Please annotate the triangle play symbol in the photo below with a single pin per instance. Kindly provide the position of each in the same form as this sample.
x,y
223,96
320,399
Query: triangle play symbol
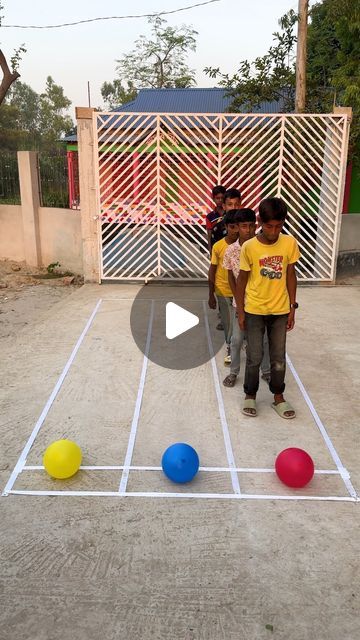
x,y
178,320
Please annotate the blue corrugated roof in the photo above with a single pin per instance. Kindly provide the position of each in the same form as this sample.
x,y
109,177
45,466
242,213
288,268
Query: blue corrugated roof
x,y
192,100
179,101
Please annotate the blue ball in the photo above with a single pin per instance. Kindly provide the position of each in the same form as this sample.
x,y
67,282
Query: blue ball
x,y
180,462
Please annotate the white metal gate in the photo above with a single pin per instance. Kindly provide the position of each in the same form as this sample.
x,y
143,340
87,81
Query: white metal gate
x,y
156,172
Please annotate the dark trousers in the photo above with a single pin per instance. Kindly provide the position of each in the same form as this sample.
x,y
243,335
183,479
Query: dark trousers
x,y
276,331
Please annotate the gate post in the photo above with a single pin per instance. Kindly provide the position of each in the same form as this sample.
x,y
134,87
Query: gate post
x,y
30,203
88,201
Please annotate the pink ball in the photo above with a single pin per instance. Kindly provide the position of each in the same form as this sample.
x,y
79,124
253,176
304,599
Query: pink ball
x,y
294,467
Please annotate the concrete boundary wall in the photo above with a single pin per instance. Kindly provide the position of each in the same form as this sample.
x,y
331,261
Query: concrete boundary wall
x,y
59,237
39,235
11,233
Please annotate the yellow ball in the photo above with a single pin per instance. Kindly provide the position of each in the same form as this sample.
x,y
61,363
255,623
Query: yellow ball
x,y
62,459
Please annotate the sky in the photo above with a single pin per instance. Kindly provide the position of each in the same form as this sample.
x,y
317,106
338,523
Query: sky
x,y
228,31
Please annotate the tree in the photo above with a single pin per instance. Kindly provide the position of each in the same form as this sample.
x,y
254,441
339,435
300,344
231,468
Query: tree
x,y
26,101
333,70
29,121
269,77
333,61
10,74
53,123
115,95
160,62
11,135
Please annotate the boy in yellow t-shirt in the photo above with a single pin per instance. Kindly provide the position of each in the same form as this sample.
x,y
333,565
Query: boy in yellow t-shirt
x,y
219,281
266,301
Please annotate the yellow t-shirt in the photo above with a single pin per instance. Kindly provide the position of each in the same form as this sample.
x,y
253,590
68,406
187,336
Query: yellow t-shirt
x,y
222,287
266,292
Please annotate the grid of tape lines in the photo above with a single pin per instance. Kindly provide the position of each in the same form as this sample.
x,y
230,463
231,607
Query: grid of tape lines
x,y
155,173
60,488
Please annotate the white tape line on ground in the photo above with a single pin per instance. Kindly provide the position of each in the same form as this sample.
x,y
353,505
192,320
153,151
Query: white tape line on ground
x,y
224,424
207,496
342,470
210,469
135,420
22,459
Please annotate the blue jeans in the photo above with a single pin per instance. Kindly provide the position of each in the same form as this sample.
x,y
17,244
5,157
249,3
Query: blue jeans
x,y
275,326
237,340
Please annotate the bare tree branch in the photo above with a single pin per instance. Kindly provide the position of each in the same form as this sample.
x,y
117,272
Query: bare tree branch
x,y
8,77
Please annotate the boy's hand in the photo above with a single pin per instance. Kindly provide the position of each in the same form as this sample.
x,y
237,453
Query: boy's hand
x,y
212,301
241,320
291,320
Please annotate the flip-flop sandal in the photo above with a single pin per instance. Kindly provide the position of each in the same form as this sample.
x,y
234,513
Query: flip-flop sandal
x,y
281,409
249,403
230,380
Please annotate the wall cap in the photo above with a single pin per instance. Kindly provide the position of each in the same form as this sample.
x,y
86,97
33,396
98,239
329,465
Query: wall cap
x,y
82,113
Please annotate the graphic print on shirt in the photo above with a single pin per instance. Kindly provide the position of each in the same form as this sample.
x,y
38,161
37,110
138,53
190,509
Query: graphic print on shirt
x,y
271,267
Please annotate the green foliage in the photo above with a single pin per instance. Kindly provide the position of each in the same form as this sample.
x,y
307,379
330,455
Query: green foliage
x,y
268,77
52,266
115,95
32,121
333,61
333,69
53,123
160,62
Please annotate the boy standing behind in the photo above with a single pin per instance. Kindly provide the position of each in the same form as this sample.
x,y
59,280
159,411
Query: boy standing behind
x,y
267,276
219,282
214,220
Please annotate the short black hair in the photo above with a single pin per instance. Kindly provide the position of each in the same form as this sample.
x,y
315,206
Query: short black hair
x,y
218,189
245,215
230,217
232,193
272,209
235,216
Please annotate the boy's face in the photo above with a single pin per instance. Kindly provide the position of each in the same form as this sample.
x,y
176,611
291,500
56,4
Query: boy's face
x,y
219,201
246,231
232,203
272,229
232,231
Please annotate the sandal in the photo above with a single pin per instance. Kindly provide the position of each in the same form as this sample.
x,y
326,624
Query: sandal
x,y
282,407
249,403
230,380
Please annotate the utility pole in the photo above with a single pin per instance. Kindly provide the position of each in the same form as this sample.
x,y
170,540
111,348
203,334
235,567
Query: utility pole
x,y
300,93
88,88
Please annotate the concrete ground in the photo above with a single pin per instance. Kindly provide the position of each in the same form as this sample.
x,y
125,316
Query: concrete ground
x,y
264,565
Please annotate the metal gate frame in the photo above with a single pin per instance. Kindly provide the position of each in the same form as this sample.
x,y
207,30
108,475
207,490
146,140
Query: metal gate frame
x,y
155,173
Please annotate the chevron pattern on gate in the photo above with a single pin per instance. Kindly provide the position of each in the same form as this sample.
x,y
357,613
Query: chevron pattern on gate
x,y
156,173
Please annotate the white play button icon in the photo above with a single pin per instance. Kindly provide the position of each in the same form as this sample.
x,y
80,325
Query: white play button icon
x,y
178,320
